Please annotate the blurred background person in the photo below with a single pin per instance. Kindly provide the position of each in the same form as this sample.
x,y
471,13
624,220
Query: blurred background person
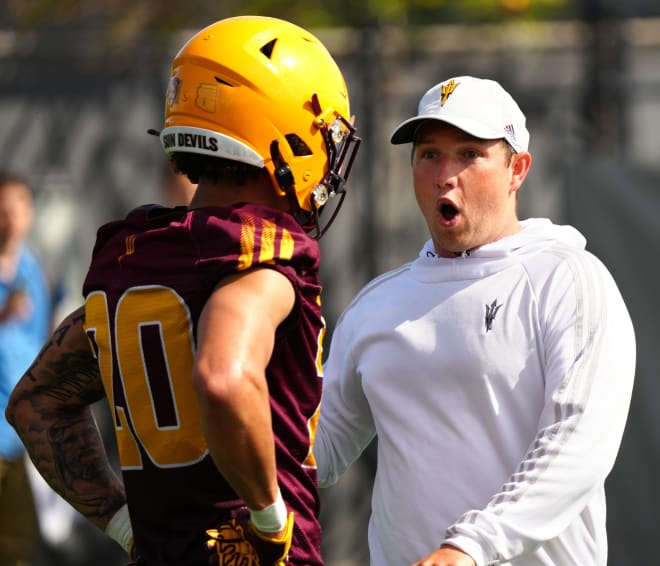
x,y
37,527
25,311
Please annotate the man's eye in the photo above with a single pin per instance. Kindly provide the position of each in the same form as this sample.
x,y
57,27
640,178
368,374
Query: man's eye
x,y
471,154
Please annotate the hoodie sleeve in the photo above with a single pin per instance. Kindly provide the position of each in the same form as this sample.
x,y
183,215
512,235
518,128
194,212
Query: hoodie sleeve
x,y
589,348
345,425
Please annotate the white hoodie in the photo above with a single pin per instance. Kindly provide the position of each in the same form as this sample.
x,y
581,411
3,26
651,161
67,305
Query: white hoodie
x,y
498,386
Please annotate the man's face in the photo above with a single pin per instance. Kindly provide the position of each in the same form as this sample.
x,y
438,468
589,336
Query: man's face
x,y
15,213
465,187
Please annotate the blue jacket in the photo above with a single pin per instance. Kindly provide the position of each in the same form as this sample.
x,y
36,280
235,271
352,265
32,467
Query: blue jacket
x,y
21,340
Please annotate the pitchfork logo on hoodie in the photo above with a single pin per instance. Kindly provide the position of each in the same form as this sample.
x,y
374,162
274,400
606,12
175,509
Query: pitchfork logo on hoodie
x,y
491,312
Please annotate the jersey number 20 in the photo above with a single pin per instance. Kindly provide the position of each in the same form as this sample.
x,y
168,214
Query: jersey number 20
x,y
153,344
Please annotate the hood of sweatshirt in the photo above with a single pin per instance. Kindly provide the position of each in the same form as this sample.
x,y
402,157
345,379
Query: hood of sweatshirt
x,y
537,235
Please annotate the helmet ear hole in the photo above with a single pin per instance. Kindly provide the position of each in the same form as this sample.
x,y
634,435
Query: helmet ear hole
x,y
297,145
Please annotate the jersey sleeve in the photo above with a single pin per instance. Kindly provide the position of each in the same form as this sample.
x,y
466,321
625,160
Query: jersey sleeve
x,y
346,426
259,237
589,347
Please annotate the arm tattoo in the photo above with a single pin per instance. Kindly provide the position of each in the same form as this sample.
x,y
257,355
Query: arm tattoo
x,y
50,409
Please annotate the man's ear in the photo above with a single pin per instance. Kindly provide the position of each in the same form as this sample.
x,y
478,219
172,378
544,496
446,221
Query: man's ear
x,y
521,162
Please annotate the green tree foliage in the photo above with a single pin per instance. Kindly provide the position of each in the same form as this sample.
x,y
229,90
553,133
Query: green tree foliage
x,y
122,18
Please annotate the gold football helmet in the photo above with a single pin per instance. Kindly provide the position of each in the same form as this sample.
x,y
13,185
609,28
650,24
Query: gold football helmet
x,y
265,92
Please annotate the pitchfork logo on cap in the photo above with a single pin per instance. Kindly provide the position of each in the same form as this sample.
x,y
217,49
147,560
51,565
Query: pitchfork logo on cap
x,y
447,89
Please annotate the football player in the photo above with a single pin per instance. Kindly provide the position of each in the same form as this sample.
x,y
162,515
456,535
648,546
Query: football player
x,y
204,321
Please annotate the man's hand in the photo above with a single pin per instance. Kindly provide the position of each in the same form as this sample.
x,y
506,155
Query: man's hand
x,y
237,541
18,306
446,556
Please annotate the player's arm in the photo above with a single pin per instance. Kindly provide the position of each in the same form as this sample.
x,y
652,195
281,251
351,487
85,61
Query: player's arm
x,y
235,339
50,410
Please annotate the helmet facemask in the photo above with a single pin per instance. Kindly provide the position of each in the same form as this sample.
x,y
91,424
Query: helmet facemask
x,y
341,146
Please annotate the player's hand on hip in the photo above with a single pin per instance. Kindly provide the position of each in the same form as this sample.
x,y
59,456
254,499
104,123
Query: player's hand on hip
x,y
446,556
237,541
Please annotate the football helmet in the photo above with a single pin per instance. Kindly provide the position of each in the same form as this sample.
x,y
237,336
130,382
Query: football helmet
x,y
265,92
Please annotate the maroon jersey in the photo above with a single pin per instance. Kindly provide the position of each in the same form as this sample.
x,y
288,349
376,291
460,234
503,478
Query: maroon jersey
x,y
149,279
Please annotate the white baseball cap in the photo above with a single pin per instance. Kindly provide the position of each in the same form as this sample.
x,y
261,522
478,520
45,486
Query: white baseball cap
x,y
480,107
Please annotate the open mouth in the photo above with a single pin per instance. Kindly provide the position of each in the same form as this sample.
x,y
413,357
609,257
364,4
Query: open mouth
x,y
448,211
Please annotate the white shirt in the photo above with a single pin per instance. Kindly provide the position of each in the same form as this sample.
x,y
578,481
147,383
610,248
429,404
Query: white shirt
x,y
498,386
